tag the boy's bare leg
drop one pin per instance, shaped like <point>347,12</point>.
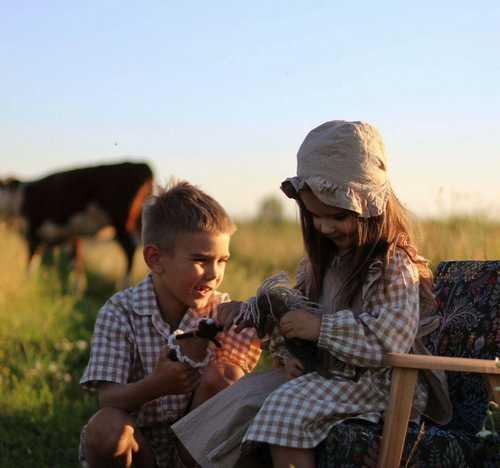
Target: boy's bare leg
<point>113,440</point>
<point>216,377</point>
<point>284,457</point>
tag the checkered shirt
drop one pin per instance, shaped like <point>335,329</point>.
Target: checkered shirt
<point>129,335</point>
<point>301,412</point>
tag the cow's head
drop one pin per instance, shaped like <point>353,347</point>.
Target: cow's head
<point>10,197</point>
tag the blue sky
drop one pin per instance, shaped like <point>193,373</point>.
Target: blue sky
<point>222,93</point>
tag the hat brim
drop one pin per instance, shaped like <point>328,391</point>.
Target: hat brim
<point>352,198</point>
<point>290,187</point>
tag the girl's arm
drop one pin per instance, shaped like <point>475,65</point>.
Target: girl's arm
<point>389,322</point>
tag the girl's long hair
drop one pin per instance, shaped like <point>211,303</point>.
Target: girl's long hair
<point>376,237</point>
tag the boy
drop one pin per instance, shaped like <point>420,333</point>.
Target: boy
<point>186,236</point>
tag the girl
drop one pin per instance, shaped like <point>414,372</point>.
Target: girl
<point>373,290</point>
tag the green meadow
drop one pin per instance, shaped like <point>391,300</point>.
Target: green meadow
<point>45,330</point>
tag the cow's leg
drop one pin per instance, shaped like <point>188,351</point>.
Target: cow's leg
<point>74,268</point>
<point>128,243</point>
<point>33,245</point>
<point>75,256</point>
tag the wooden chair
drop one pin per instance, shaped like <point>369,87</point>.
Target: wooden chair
<point>465,345</point>
<point>404,378</point>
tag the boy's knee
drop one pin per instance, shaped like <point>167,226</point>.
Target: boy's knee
<point>232,373</point>
<point>220,376</point>
<point>212,380</point>
<point>108,433</point>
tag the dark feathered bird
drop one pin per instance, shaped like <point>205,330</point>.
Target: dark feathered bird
<point>273,299</point>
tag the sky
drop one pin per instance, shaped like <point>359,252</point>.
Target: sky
<point>222,93</point>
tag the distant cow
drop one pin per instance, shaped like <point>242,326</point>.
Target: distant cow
<point>64,206</point>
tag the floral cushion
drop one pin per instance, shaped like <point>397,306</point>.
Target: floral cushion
<point>468,297</point>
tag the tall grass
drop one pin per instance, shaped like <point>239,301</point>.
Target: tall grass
<point>460,238</point>
<point>45,331</point>
<point>44,339</point>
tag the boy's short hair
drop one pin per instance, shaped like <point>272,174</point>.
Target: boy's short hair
<point>178,208</point>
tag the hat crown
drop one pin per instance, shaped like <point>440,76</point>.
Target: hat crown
<point>345,165</point>
<point>343,152</point>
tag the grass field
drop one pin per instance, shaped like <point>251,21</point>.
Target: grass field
<point>45,332</point>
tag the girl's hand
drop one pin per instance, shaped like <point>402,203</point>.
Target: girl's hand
<point>300,324</point>
<point>293,368</point>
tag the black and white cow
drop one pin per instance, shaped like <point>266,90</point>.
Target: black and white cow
<point>62,207</point>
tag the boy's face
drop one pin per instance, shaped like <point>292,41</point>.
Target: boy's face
<point>189,275</point>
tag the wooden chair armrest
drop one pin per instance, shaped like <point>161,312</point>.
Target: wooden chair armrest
<point>404,379</point>
<point>423,361</point>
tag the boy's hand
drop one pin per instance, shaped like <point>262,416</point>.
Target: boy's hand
<point>293,368</point>
<point>173,377</point>
<point>300,324</point>
<point>227,312</point>
<point>277,362</point>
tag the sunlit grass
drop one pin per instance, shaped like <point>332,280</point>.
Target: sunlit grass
<point>461,238</point>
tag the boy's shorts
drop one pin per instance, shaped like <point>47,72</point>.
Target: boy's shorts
<point>162,440</point>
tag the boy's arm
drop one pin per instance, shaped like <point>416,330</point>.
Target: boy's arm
<point>128,397</point>
<point>240,348</point>
<point>112,356</point>
<point>112,349</point>
<point>168,378</point>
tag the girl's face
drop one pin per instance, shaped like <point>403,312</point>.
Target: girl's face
<point>337,224</point>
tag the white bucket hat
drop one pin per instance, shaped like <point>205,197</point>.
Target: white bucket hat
<point>344,164</point>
